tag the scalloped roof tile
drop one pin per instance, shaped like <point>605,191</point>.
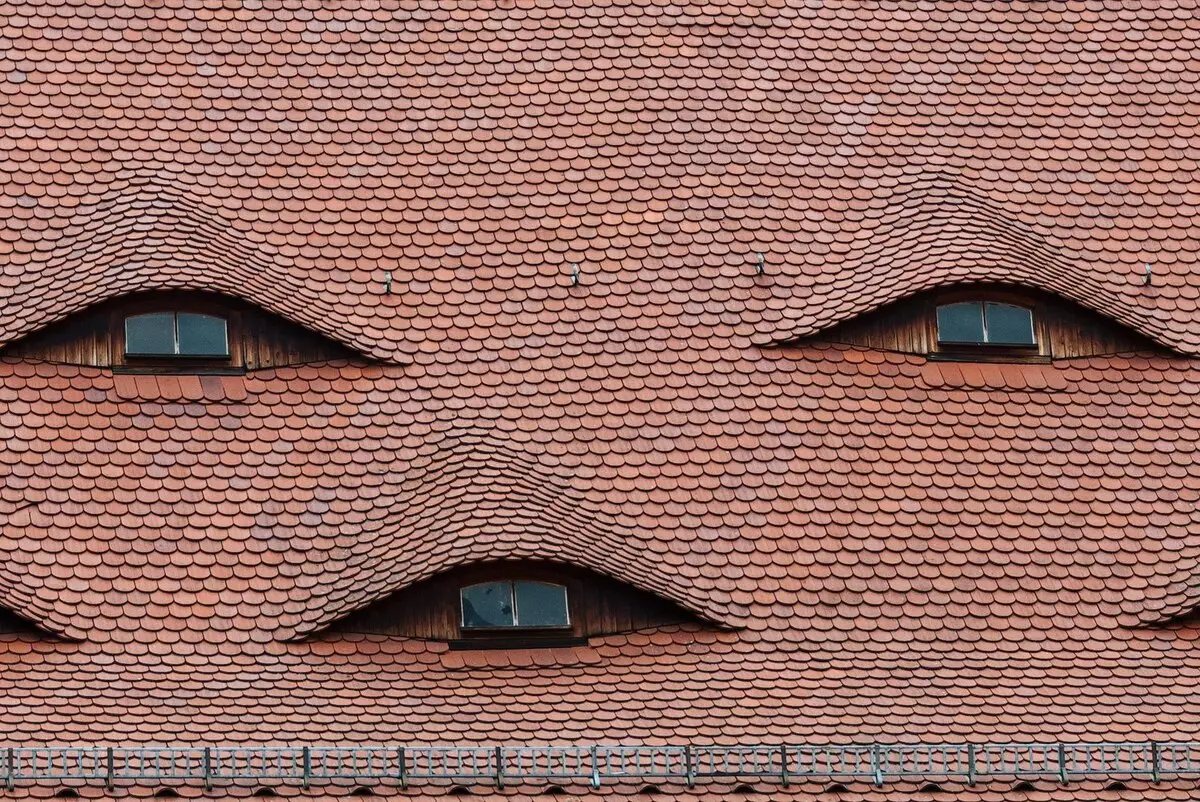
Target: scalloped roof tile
<point>881,547</point>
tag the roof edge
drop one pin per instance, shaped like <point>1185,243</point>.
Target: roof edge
<point>442,512</point>
<point>940,233</point>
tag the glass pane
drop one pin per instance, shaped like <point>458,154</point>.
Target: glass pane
<point>488,605</point>
<point>1009,325</point>
<point>960,323</point>
<point>202,335</point>
<point>540,604</point>
<point>150,335</point>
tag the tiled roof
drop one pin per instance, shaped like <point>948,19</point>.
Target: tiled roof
<point>895,541</point>
<point>878,547</point>
<point>292,154</point>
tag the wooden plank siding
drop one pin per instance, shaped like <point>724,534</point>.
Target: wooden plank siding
<point>1063,329</point>
<point>257,339</point>
<point>598,605</point>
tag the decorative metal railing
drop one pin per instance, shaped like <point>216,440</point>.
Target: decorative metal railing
<point>596,765</point>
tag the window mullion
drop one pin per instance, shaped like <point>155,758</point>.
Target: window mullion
<point>983,317</point>
<point>512,602</point>
<point>175,328</point>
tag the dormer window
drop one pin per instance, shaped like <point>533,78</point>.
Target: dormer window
<point>176,334</point>
<point>514,605</point>
<point>985,324</point>
<point>988,323</point>
<point>525,605</point>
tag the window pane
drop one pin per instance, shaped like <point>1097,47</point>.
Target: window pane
<point>960,323</point>
<point>488,605</point>
<point>1009,325</point>
<point>202,335</point>
<point>150,335</point>
<point>540,604</point>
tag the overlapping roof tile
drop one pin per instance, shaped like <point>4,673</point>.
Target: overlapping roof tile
<point>880,537</point>
<point>292,155</point>
<point>880,547</point>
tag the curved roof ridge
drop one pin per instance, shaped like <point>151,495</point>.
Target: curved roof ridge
<point>939,232</point>
<point>144,234</point>
<point>1172,591</point>
<point>16,594</point>
<point>478,499</point>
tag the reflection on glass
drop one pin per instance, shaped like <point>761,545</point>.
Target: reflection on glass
<point>960,323</point>
<point>1009,325</point>
<point>540,604</point>
<point>176,334</point>
<point>150,335</point>
<point>202,335</point>
<point>488,605</point>
<point>509,604</point>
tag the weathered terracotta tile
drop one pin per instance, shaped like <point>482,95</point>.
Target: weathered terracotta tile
<point>881,548</point>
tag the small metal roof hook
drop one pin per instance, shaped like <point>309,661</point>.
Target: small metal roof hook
<point>760,269</point>
<point>1148,276</point>
<point>575,274</point>
<point>387,282</point>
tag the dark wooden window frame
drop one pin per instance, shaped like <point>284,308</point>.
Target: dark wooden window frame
<point>175,363</point>
<point>518,636</point>
<point>176,336</point>
<point>518,627</point>
<point>983,352</point>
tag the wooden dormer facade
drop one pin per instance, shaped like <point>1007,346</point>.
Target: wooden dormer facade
<point>1061,329</point>
<point>256,338</point>
<point>597,605</point>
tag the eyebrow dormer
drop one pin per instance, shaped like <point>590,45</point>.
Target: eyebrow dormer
<point>515,604</point>
<point>177,332</point>
<point>989,324</point>
<point>985,323</point>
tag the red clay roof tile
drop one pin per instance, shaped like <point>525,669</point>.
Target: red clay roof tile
<point>902,550</point>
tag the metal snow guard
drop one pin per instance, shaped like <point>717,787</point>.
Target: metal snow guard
<point>500,765</point>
